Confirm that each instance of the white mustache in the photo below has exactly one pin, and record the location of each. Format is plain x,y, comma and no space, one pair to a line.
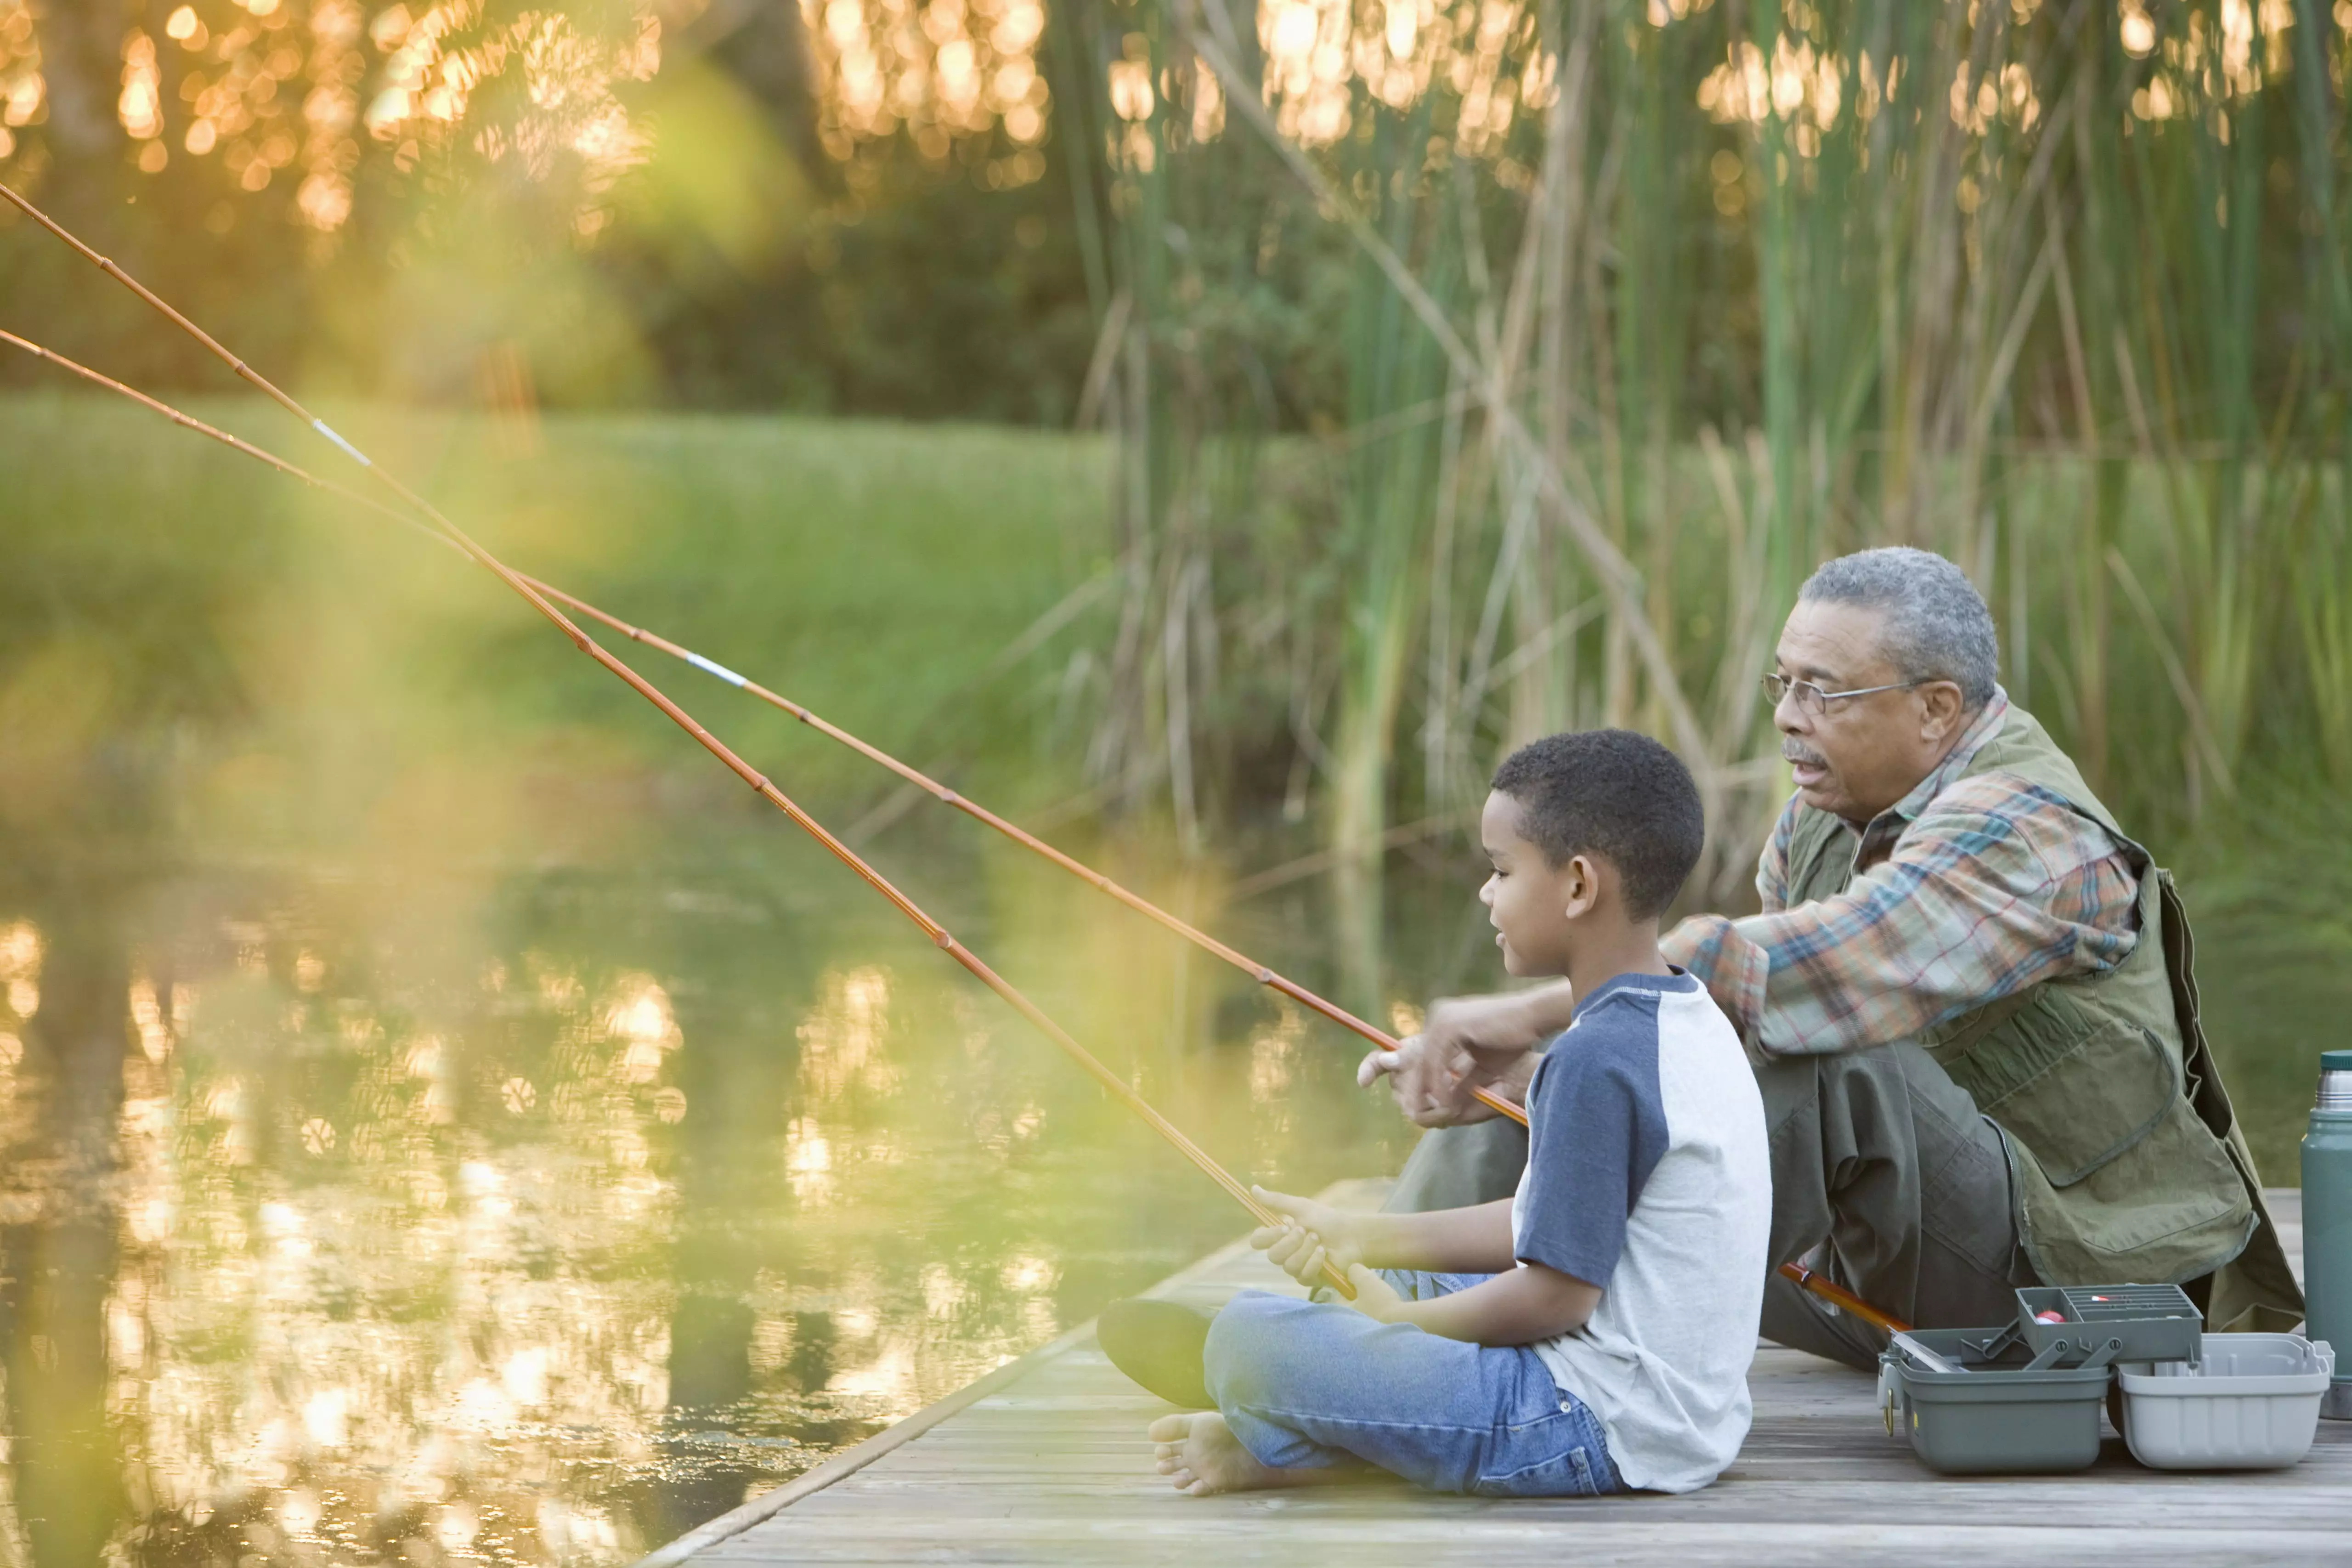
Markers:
1792,751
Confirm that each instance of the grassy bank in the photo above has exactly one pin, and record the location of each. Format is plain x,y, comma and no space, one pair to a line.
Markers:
327,687
160,583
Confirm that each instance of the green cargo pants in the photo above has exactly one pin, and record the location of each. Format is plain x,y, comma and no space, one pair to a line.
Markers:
1877,1152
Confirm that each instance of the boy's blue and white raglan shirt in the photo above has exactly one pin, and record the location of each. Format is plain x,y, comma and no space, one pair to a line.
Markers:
1648,1176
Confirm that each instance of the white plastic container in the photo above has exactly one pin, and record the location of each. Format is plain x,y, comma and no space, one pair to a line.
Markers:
2252,1404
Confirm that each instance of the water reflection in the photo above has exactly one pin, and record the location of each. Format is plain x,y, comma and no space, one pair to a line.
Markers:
321,1247
441,1121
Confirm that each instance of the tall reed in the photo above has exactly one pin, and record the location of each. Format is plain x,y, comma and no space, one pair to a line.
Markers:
2059,287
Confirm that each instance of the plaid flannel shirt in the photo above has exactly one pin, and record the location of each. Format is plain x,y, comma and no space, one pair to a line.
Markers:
1965,890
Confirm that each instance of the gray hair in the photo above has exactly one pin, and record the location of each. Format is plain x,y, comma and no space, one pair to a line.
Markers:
1938,628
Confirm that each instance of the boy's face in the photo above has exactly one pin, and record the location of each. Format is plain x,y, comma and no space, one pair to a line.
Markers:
1532,904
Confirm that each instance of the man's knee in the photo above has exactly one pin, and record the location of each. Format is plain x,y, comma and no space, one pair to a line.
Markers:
1459,1167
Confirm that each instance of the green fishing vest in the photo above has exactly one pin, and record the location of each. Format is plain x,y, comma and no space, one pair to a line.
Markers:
2126,1161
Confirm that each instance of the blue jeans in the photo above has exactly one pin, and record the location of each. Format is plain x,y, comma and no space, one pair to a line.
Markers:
1304,1385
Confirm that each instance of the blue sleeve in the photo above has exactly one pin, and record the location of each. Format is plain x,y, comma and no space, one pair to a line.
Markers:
1598,1129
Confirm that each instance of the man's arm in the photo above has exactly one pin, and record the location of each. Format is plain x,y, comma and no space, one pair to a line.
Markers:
1999,885
1471,1042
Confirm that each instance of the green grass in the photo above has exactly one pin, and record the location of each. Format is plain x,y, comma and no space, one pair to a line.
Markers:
333,687
870,569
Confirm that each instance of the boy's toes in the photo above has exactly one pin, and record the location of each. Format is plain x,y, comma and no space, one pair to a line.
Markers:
1169,1429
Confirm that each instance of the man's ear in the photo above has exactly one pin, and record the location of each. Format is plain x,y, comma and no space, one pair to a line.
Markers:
1579,886
1941,708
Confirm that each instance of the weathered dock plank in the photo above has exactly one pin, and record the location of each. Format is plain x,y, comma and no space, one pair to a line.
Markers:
1045,1461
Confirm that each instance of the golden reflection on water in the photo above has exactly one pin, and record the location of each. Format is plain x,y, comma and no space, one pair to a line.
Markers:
549,1260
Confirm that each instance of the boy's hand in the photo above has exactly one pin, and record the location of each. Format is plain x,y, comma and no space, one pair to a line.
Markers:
1375,1297
1310,1235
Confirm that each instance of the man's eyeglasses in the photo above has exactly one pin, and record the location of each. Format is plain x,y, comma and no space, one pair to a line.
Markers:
1812,699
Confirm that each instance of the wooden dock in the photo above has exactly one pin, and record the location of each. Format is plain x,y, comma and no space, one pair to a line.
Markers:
1045,1461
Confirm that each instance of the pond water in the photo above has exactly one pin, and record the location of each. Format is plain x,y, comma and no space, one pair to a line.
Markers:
536,1216
446,1119
442,1117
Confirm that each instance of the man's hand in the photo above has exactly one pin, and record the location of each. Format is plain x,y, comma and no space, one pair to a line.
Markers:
1467,1043
1309,1236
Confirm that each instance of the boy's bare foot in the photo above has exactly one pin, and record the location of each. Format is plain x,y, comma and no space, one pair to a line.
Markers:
1200,1457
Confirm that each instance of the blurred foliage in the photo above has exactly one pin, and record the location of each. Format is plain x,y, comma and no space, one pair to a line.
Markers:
1616,318
595,202
498,1135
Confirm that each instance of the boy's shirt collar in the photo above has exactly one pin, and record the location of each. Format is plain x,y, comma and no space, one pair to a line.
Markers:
1680,981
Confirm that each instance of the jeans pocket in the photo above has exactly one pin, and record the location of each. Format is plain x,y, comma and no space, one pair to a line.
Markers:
1544,1458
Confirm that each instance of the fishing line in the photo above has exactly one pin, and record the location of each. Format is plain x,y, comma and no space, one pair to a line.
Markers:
758,781
1263,973
1805,1278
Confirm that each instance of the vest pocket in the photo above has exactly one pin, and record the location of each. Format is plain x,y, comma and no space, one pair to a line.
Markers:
2076,1105
2167,1209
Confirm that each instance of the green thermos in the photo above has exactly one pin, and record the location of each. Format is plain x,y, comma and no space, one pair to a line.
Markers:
2328,1224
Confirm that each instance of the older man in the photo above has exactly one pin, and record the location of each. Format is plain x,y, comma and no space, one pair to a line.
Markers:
1968,1000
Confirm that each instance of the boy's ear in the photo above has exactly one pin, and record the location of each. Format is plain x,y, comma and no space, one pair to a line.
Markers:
1579,886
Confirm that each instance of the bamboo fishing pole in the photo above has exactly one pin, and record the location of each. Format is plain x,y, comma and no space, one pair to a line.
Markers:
637,633
1797,1273
1263,973
1837,1295
759,783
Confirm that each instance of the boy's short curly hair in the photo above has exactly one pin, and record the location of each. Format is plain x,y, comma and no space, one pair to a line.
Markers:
1614,793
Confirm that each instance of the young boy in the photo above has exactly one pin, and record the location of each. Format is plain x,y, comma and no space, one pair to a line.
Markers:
1593,1333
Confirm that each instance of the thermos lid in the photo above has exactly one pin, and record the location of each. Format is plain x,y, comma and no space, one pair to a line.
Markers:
2335,1061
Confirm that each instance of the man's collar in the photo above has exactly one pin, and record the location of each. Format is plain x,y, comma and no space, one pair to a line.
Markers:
1986,725
1980,730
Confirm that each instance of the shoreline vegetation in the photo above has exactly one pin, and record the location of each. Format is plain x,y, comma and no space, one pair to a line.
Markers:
1358,388
881,571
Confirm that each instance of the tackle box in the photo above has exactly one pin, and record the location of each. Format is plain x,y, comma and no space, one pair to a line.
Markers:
2009,1409
2250,1402
2028,1397
2150,1322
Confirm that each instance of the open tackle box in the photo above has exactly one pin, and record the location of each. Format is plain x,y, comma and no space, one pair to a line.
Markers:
2027,1397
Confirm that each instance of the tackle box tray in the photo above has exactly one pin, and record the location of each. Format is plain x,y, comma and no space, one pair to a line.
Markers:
1997,1415
2145,1322
2251,1403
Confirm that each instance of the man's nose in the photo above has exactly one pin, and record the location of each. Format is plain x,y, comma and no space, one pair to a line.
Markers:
1788,717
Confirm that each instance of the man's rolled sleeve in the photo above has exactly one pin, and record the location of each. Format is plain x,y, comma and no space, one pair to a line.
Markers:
1997,886
1732,967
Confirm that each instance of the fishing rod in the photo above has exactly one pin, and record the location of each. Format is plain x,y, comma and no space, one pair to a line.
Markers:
1837,1295
1263,973
1797,1273
759,783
